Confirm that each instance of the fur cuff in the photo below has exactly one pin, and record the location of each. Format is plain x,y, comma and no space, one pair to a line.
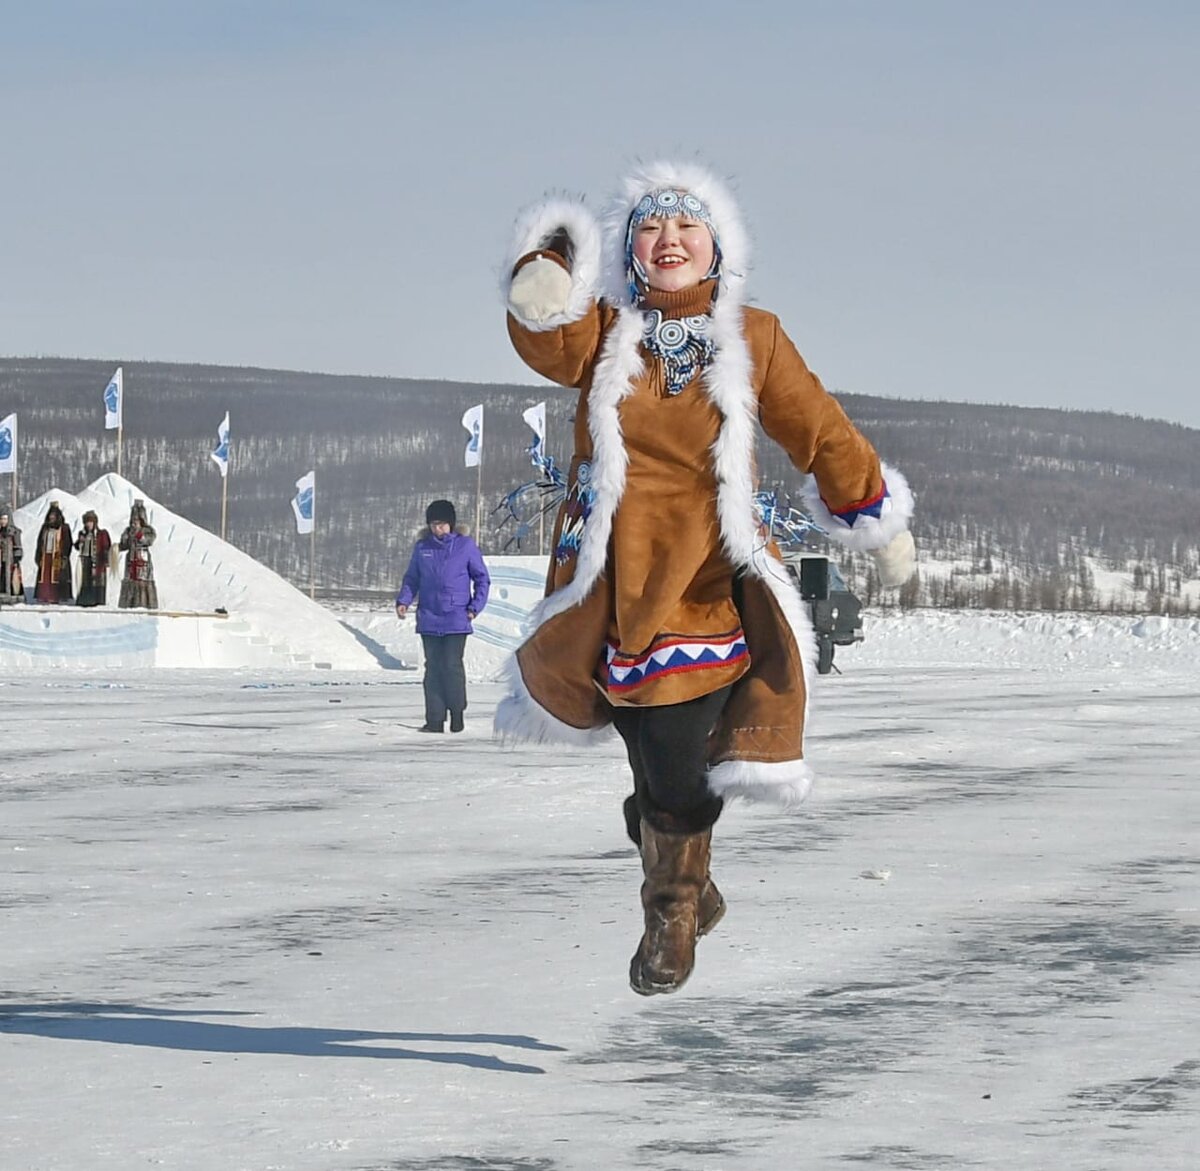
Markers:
784,783
535,226
864,531
520,717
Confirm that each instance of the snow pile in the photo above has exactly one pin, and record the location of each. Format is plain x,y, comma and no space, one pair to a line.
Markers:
1036,641
270,623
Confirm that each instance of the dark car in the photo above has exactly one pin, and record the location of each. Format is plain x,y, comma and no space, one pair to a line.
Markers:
836,612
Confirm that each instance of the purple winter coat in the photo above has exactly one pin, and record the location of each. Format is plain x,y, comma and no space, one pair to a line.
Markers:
448,577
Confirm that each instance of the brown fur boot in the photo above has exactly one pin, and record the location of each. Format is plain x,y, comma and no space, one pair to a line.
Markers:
711,909
712,902
674,866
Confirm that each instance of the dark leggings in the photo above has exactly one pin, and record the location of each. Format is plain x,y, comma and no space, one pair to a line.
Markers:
667,749
445,678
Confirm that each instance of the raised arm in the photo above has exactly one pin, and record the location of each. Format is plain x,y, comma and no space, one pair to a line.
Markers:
550,280
860,502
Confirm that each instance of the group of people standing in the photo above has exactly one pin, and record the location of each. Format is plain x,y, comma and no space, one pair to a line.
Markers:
56,576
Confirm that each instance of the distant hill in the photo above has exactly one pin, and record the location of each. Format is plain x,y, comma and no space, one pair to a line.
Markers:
1017,507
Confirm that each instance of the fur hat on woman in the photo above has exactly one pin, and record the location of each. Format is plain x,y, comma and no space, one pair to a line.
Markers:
441,510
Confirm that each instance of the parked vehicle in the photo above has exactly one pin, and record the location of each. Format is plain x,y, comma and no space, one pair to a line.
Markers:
836,612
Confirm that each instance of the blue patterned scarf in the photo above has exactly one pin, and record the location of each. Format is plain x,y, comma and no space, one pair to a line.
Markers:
682,345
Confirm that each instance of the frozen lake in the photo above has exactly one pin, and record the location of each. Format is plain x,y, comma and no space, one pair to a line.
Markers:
257,922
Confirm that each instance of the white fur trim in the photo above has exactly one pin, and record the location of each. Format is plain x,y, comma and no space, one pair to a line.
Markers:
535,225
784,783
520,717
620,363
728,384
867,533
701,182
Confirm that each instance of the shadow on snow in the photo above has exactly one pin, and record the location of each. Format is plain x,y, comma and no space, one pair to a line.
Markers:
161,1028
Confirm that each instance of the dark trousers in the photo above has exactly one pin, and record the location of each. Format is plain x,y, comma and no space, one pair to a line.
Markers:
667,749
445,679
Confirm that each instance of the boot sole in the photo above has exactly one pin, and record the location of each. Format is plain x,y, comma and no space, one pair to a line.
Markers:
651,989
713,920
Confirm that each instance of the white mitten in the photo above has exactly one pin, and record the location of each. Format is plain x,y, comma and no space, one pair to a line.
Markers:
539,291
896,562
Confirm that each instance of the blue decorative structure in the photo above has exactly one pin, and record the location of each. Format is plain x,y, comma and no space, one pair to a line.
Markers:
525,505
788,526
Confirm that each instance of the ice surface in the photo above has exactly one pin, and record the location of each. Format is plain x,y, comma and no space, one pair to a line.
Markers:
256,921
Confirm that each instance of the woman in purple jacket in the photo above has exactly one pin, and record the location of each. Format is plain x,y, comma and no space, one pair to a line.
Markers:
449,581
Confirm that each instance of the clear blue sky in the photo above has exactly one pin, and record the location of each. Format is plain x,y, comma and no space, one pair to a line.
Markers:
950,199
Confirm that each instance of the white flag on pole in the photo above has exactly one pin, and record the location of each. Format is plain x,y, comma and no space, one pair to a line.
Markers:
220,453
536,418
473,422
113,395
304,503
8,444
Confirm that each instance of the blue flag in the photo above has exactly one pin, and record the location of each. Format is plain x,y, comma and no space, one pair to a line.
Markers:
304,503
114,393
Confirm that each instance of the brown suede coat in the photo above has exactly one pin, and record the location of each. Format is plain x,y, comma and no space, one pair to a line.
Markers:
668,570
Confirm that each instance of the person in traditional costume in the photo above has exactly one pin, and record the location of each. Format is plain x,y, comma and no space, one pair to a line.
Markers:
54,558
668,614
448,580
138,589
93,544
12,588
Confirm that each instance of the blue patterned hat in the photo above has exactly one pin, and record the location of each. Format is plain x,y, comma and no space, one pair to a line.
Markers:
664,204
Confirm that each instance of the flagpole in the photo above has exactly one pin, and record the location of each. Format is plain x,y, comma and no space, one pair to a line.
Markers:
120,433
224,500
542,511
312,560
479,496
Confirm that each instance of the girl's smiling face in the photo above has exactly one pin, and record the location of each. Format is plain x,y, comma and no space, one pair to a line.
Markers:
675,253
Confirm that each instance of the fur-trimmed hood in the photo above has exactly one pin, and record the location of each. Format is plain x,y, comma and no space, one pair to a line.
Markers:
710,190
597,262
423,531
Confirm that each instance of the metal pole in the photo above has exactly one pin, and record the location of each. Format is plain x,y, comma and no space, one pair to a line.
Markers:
312,561
120,439
224,498
479,496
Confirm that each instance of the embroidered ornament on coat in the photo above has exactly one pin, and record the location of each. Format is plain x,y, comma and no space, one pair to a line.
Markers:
576,510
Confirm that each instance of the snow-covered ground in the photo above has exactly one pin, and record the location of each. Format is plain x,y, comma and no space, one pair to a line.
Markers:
256,921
